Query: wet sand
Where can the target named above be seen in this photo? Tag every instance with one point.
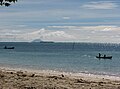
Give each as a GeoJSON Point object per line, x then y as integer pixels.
{"type": "Point", "coordinates": [22, 79]}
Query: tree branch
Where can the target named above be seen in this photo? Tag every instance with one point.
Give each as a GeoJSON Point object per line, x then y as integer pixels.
{"type": "Point", "coordinates": [7, 2]}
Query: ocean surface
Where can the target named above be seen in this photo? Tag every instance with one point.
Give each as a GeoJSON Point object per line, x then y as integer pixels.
{"type": "Point", "coordinates": [65, 57]}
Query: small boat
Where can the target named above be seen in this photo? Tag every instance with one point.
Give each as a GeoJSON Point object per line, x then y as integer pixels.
{"type": "Point", "coordinates": [8, 47]}
{"type": "Point", "coordinates": [104, 57]}
{"type": "Point", "coordinates": [108, 57]}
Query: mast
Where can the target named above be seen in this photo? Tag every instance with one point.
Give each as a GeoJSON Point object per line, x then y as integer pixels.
{"type": "Point", "coordinates": [73, 46]}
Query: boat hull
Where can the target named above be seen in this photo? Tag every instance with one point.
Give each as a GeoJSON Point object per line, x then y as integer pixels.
{"type": "Point", "coordinates": [109, 57]}
{"type": "Point", "coordinates": [9, 47]}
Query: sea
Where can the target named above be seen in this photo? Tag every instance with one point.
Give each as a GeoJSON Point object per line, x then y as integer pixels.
{"type": "Point", "coordinates": [64, 57]}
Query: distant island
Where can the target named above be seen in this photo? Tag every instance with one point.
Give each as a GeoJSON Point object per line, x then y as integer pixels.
{"type": "Point", "coordinates": [47, 42]}
{"type": "Point", "coordinates": [39, 40]}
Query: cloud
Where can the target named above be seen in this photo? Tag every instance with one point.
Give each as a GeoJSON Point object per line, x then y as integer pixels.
{"type": "Point", "coordinates": [64, 34]}
{"type": "Point", "coordinates": [100, 5]}
{"type": "Point", "coordinates": [63, 27]}
{"type": "Point", "coordinates": [102, 28]}
{"type": "Point", "coordinates": [44, 34]}
{"type": "Point", "coordinates": [96, 28]}
{"type": "Point", "coordinates": [66, 18]}
{"type": "Point", "coordinates": [58, 36]}
{"type": "Point", "coordinates": [101, 33]}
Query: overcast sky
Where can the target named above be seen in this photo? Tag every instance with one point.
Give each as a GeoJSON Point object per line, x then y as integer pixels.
{"type": "Point", "coordinates": [61, 21]}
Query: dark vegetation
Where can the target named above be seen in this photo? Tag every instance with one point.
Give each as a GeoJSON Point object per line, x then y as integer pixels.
{"type": "Point", "coordinates": [7, 2]}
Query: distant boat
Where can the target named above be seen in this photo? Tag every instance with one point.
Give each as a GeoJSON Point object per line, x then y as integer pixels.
{"type": "Point", "coordinates": [47, 42]}
{"type": "Point", "coordinates": [108, 57]}
{"type": "Point", "coordinates": [8, 47]}
{"type": "Point", "coordinates": [104, 57]}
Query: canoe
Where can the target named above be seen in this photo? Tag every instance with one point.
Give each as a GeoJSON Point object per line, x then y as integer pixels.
{"type": "Point", "coordinates": [9, 47]}
{"type": "Point", "coordinates": [107, 57]}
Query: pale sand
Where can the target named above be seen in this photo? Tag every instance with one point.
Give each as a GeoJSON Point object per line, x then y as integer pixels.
{"type": "Point", "coordinates": [35, 79]}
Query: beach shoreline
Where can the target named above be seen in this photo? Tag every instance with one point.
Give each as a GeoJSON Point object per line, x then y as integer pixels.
{"type": "Point", "coordinates": [18, 78]}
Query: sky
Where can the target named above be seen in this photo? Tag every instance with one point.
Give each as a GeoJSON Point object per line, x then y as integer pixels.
{"type": "Point", "coordinates": [61, 21]}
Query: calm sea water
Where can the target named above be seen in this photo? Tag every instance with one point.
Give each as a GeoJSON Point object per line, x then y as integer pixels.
{"type": "Point", "coordinates": [62, 57]}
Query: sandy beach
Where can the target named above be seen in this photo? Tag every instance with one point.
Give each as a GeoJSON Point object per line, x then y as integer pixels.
{"type": "Point", "coordinates": [22, 79]}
